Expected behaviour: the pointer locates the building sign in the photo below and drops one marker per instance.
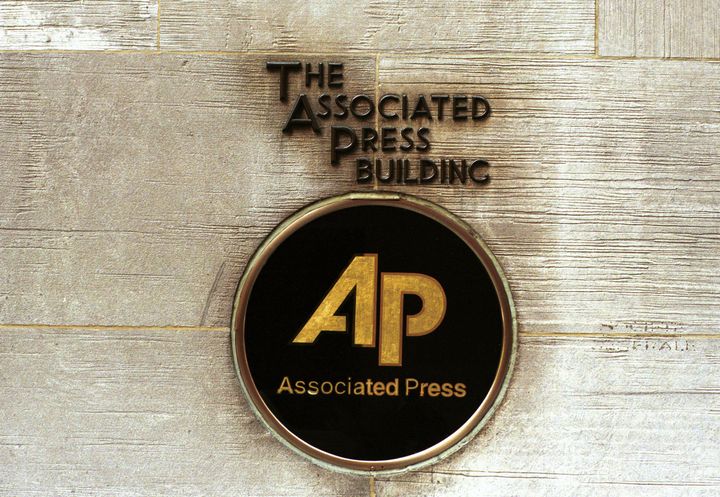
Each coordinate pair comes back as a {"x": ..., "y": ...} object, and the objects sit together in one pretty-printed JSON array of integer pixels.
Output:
[
  {"x": 373, "y": 331},
  {"x": 392, "y": 142}
]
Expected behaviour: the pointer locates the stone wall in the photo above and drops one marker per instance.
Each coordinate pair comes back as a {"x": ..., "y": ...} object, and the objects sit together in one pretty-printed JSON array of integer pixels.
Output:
[{"x": 143, "y": 162}]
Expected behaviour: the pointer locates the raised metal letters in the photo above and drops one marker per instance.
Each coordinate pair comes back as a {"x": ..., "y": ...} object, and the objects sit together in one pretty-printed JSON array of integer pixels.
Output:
[
  {"x": 361, "y": 276},
  {"x": 418, "y": 112}
]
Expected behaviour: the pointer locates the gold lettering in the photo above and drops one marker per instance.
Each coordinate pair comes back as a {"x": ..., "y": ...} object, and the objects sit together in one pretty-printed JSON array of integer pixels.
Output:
[
  {"x": 360, "y": 275},
  {"x": 447, "y": 390},
  {"x": 410, "y": 384},
  {"x": 370, "y": 387},
  {"x": 394, "y": 286},
  {"x": 392, "y": 388},
  {"x": 285, "y": 386},
  {"x": 359, "y": 388},
  {"x": 379, "y": 389},
  {"x": 313, "y": 388}
]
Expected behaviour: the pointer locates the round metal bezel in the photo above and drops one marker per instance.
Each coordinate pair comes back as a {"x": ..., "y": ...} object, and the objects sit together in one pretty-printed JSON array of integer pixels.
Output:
[{"x": 432, "y": 454}]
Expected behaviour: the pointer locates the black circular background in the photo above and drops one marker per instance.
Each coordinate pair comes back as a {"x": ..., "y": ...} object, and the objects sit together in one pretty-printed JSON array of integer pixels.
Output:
[{"x": 465, "y": 348}]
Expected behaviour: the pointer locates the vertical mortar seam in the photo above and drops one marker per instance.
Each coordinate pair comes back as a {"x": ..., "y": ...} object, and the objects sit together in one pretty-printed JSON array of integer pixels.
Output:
[
  {"x": 597, "y": 27},
  {"x": 157, "y": 26}
]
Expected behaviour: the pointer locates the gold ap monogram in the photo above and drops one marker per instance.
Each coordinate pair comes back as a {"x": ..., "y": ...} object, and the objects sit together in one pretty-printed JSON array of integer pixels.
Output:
[{"x": 361, "y": 275}]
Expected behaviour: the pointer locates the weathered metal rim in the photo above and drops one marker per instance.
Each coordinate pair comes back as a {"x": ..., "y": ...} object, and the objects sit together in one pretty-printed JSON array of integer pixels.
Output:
[{"x": 434, "y": 453}]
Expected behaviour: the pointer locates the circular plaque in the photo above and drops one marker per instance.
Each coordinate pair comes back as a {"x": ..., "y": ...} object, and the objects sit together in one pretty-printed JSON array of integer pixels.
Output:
[{"x": 373, "y": 332}]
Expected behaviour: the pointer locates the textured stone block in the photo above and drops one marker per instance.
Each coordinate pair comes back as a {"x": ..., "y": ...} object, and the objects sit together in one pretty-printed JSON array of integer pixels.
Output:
[
  {"x": 86, "y": 25},
  {"x": 377, "y": 25}
]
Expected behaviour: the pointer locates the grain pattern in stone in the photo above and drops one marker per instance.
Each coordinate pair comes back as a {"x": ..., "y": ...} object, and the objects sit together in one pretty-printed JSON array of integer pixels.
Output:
[
  {"x": 135, "y": 188},
  {"x": 659, "y": 28},
  {"x": 159, "y": 412},
  {"x": 139, "y": 413},
  {"x": 554, "y": 26},
  {"x": 603, "y": 205},
  {"x": 86, "y": 25},
  {"x": 588, "y": 417}
]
